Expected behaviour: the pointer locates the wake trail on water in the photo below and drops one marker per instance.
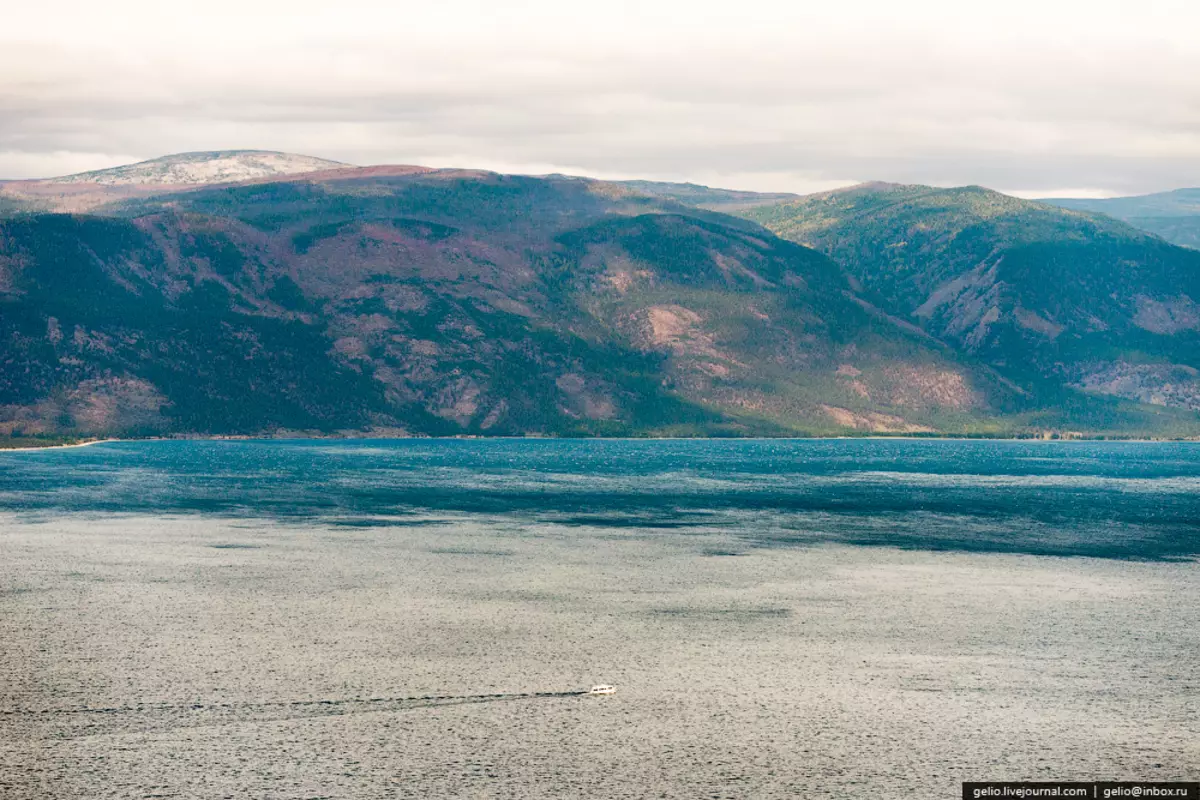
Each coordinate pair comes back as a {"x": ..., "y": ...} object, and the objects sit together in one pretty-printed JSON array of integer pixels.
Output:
[
  {"x": 152, "y": 707},
  {"x": 72, "y": 723}
]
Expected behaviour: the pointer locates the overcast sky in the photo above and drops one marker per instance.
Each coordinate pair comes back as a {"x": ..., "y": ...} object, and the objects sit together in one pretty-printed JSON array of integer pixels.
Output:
[{"x": 1038, "y": 97}]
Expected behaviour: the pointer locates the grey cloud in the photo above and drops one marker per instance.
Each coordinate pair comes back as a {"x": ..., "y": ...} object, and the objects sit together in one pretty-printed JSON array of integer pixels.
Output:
[{"x": 918, "y": 112}]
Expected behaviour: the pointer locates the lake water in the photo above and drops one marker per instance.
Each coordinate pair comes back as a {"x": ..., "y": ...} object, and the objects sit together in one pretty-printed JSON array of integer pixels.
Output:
[{"x": 858, "y": 618}]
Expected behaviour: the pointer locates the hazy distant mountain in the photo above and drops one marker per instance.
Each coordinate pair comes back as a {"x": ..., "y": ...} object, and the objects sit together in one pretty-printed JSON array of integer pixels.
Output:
[
  {"x": 1034, "y": 290},
  {"x": 1179, "y": 203},
  {"x": 694, "y": 194},
  {"x": 1175, "y": 216}
]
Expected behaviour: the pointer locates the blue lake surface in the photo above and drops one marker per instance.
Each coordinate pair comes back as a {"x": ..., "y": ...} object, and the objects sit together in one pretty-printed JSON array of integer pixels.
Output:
[{"x": 1127, "y": 500}]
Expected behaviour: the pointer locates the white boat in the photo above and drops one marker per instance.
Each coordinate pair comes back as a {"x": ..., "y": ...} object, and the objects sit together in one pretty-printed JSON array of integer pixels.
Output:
[{"x": 602, "y": 688}]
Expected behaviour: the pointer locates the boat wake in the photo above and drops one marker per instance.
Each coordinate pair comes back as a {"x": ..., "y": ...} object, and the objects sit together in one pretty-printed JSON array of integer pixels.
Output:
[{"x": 70, "y": 723}]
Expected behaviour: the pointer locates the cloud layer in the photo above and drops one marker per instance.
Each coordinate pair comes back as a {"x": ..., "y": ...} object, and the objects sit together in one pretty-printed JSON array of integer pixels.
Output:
[{"x": 1040, "y": 97}]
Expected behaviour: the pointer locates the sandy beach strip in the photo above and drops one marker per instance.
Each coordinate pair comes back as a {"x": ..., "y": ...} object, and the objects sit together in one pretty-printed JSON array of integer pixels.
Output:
[{"x": 55, "y": 446}]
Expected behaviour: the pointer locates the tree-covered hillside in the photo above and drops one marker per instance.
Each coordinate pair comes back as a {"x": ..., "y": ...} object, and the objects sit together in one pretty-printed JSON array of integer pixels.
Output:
[
  {"x": 436, "y": 302},
  {"x": 1040, "y": 293},
  {"x": 450, "y": 303}
]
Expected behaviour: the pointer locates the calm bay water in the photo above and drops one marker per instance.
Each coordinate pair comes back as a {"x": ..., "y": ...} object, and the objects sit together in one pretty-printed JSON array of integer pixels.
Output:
[{"x": 875, "y": 618}]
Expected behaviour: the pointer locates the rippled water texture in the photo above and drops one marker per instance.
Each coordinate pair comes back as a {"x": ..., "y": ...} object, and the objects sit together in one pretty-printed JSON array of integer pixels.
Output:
[{"x": 412, "y": 619}]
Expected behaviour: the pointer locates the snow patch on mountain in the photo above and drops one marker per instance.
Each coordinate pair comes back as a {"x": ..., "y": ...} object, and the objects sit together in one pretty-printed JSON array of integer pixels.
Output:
[{"x": 221, "y": 166}]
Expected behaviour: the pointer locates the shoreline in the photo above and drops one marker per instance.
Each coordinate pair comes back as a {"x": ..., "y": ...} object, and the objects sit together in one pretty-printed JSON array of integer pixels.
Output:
[
  {"x": 64, "y": 446},
  {"x": 883, "y": 438}
]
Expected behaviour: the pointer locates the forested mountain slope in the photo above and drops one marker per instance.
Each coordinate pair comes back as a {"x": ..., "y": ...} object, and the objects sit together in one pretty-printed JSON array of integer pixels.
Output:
[{"x": 1032, "y": 289}]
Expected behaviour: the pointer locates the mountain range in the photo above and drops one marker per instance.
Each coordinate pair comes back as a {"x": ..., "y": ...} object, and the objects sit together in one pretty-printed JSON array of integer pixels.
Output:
[
  {"x": 1175, "y": 216},
  {"x": 248, "y": 292}
]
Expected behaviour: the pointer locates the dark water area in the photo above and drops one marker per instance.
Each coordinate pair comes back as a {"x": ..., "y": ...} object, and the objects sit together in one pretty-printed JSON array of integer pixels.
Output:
[{"x": 1126, "y": 500}]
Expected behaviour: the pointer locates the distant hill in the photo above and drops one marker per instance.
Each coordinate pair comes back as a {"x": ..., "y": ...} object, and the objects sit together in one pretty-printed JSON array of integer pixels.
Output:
[
  {"x": 1039, "y": 292},
  {"x": 1175, "y": 216},
  {"x": 693, "y": 194},
  {"x": 218, "y": 166},
  {"x": 88, "y": 190},
  {"x": 1179, "y": 203}
]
